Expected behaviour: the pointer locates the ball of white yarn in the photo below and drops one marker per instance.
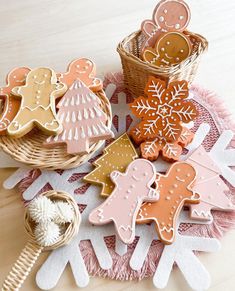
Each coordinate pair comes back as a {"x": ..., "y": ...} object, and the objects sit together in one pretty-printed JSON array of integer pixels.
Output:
[
  {"x": 42, "y": 209},
  {"x": 64, "y": 212},
  {"x": 47, "y": 233}
]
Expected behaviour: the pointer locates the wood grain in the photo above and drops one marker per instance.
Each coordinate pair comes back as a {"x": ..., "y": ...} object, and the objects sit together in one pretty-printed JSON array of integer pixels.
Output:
[{"x": 53, "y": 32}]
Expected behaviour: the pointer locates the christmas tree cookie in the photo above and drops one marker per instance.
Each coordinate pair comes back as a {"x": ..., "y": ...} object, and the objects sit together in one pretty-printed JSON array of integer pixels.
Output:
[
  {"x": 82, "y": 118},
  {"x": 117, "y": 156}
]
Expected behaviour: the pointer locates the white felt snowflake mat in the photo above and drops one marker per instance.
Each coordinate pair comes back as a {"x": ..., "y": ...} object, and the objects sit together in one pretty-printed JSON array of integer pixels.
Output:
[{"x": 180, "y": 252}]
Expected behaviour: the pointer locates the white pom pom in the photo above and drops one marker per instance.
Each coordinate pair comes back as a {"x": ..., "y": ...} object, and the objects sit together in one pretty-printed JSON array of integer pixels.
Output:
[
  {"x": 64, "y": 213},
  {"x": 41, "y": 209},
  {"x": 47, "y": 233}
]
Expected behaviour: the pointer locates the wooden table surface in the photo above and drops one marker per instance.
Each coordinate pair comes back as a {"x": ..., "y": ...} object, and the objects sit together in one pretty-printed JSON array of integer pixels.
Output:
[{"x": 52, "y": 33}]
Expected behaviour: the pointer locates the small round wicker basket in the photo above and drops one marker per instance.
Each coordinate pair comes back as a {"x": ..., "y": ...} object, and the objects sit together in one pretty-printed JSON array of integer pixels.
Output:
[
  {"x": 71, "y": 228},
  {"x": 32, "y": 250},
  {"x": 136, "y": 71},
  {"x": 29, "y": 148}
]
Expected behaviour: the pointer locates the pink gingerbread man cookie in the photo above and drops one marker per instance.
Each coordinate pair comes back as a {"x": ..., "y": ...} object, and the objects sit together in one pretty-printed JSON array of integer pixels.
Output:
[
  {"x": 131, "y": 189},
  {"x": 169, "y": 15},
  {"x": 83, "y": 70}
]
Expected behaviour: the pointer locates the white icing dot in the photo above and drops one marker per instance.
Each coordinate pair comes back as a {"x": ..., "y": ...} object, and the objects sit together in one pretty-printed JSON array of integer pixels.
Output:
[
  {"x": 161, "y": 19},
  {"x": 182, "y": 52},
  {"x": 167, "y": 42},
  {"x": 177, "y": 26},
  {"x": 175, "y": 185},
  {"x": 178, "y": 170},
  {"x": 165, "y": 11},
  {"x": 162, "y": 49},
  {"x": 181, "y": 17}
]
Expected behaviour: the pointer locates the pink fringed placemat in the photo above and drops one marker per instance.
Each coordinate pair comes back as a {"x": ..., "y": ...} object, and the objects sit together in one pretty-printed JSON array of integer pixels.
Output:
[{"x": 213, "y": 113}]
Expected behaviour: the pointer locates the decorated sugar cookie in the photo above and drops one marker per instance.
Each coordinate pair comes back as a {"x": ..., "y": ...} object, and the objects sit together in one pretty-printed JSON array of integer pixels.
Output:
[
  {"x": 37, "y": 106},
  {"x": 170, "y": 151},
  {"x": 175, "y": 190},
  {"x": 82, "y": 118},
  {"x": 84, "y": 70},
  {"x": 11, "y": 105},
  {"x": 169, "y": 15},
  {"x": 122, "y": 206},
  {"x": 117, "y": 156},
  {"x": 170, "y": 49},
  {"x": 209, "y": 185},
  {"x": 163, "y": 109}
]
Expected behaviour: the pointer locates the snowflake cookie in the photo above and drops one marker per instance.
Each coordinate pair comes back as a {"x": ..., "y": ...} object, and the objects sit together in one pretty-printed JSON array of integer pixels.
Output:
[
  {"x": 170, "y": 151},
  {"x": 164, "y": 109}
]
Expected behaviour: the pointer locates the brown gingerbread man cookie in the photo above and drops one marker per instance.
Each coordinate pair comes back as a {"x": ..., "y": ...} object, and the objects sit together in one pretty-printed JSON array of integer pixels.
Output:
[
  {"x": 170, "y": 49},
  {"x": 11, "y": 105},
  {"x": 37, "y": 103},
  {"x": 175, "y": 190},
  {"x": 84, "y": 70}
]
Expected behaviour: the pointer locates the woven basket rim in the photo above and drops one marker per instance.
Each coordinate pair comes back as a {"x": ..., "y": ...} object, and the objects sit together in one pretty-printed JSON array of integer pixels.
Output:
[
  {"x": 72, "y": 228},
  {"x": 55, "y": 158},
  {"x": 121, "y": 49}
]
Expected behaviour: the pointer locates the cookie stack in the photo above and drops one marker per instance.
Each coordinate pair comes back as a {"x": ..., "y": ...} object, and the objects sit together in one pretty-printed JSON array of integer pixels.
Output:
[
  {"x": 163, "y": 47},
  {"x": 70, "y": 108}
]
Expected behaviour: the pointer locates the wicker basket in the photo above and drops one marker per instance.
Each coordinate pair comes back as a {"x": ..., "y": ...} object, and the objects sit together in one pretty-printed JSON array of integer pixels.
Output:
[
  {"x": 71, "y": 228},
  {"x": 136, "y": 71},
  {"x": 32, "y": 250},
  {"x": 29, "y": 148}
]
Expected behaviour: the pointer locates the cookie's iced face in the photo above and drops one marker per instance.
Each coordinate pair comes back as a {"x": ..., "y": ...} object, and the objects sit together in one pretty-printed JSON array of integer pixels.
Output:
[
  {"x": 141, "y": 171},
  {"x": 173, "y": 48},
  {"x": 40, "y": 77},
  {"x": 17, "y": 77},
  {"x": 184, "y": 173},
  {"x": 172, "y": 15},
  {"x": 82, "y": 66}
]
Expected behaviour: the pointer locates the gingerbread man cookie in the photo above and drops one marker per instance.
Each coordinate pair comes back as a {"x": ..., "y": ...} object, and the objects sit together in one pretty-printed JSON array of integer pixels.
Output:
[
  {"x": 84, "y": 70},
  {"x": 16, "y": 77},
  {"x": 163, "y": 109},
  {"x": 170, "y": 49},
  {"x": 169, "y": 15},
  {"x": 175, "y": 190},
  {"x": 122, "y": 206},
  {"x": 37, "y": 103}
]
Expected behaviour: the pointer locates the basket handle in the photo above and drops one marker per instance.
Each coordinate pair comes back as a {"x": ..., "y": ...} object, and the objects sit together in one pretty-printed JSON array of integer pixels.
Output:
[{"x": 22, "y": 267}]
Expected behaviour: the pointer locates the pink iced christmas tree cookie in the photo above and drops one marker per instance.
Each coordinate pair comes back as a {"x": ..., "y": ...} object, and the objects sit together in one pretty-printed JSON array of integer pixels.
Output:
[
  {"x": 209, "y": 185},
  {"x": 169, "y": 15},
  {"x": 82, "y": 118},
  {"x": 122, "y": 206}
]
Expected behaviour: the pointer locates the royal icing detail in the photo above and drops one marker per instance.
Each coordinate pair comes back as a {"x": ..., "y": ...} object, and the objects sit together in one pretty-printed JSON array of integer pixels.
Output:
[
  {"x": 169, "y": 15},
  {"x": 122, "y": 206},
  {"x": 84, "y": 70},
  {"x": 82, "y": 118},
  {"x": 11, "y": 106},
  {"x": 163, "y": 109},
  {"x": 170, "y": 49},
  {"x": 175, "y": 190},
  {"x": 37, "y": 106},
  {"x": 170, "y": 151},
  {"x": 117, "y": 156},
  {"x": 209, "y": 185}
]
